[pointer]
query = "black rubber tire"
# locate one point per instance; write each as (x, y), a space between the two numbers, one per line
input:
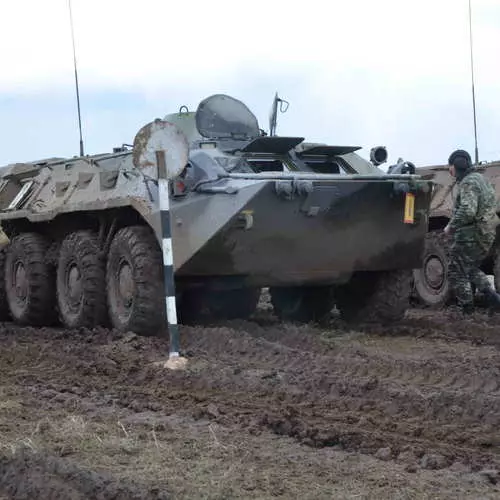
(302, 304)
(38, 308)
(4, 304)
(137, 247)
(378, 297)
(426, 292)
(81, 250)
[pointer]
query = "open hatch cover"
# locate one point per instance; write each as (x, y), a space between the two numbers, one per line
(325, 150)
(221, 116)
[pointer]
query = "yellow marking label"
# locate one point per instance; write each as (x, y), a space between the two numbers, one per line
(409, 217)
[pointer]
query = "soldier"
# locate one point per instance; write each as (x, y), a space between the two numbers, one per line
(473, 228)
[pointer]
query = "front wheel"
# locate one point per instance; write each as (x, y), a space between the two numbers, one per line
(431, 285)
(375, 297)
(134, 282)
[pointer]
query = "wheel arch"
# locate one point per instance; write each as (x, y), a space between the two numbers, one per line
(438, 222)
(104, 222)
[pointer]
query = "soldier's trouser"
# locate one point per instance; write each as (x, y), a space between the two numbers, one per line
(466, 255)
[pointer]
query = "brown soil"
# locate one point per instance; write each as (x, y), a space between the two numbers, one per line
(263, 410)
(30, 475)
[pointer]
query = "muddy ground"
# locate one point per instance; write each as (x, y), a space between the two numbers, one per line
(264, 410)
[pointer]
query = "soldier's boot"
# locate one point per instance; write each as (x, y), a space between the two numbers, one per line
(460, 309)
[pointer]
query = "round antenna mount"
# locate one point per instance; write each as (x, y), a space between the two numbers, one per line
(161, 135)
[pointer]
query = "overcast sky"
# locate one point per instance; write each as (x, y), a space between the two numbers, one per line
(362, 72)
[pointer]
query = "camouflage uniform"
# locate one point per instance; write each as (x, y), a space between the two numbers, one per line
(473, 227)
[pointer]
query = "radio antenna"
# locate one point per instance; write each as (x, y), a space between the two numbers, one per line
(76, 79)
(473, 90)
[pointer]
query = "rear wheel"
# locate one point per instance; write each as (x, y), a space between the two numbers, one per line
(81, 288)
(134, 282)
(431, 280)
(302, 304)
(30, 280)
(375, 297)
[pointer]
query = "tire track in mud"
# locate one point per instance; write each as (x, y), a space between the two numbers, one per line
(38, 475)
(351, 395)
(474, 370)
(379, 406)
(349, 399)
(478, 329)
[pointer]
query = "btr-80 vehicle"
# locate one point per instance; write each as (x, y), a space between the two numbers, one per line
(431, 278)
(315, 224)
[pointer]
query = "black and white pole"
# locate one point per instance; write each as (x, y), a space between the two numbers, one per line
(167, 250)
(161, 150)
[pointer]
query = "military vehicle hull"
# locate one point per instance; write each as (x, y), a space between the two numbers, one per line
(321, 237)
(431, 287)
(245, 212)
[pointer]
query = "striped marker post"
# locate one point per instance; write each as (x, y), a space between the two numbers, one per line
(168, 261)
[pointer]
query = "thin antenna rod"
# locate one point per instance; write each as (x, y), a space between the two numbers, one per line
(473, 90)
(76, 80)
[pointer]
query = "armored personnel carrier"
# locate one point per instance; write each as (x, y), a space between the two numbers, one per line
(316, 224)
(431, 277)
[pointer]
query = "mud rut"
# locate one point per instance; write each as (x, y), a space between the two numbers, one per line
(425, 392)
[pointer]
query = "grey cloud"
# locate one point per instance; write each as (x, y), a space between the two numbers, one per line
(419, 121)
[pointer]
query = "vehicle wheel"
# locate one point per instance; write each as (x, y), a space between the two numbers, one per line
(431, 280)
(302, 304)
(81, 284)
(30, 280)
(4, 304)
(134, 282)
(375, 297)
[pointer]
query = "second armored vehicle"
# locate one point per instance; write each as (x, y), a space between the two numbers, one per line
(431, 277)
(315, 223)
